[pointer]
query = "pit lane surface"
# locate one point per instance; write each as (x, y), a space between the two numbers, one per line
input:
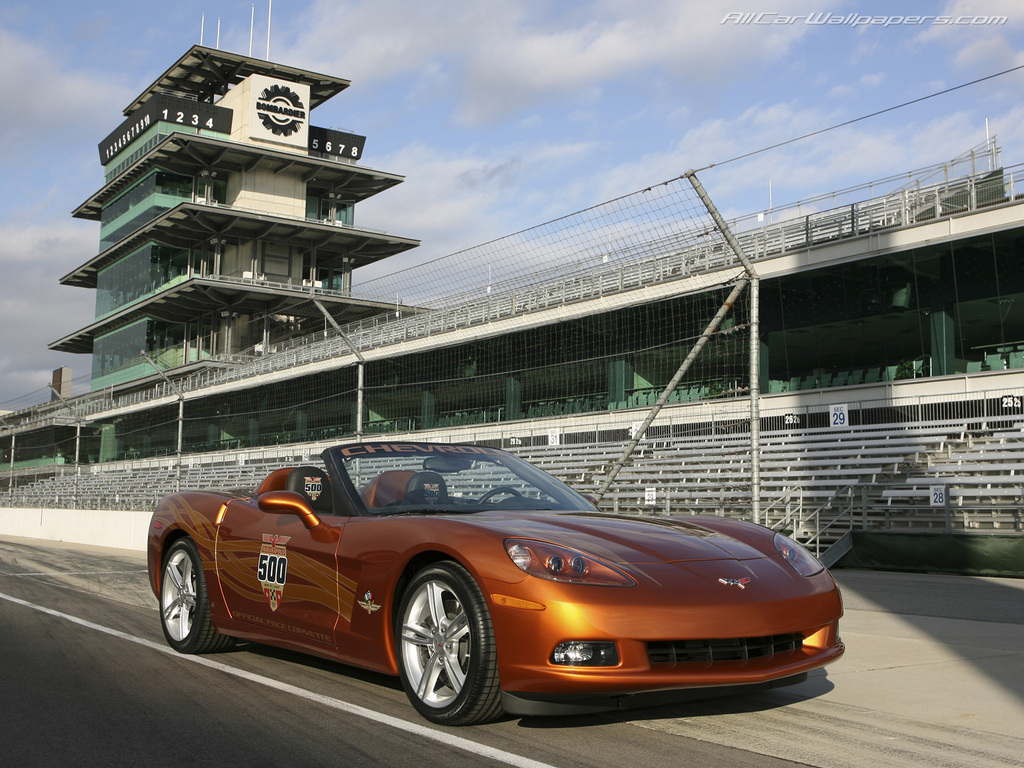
(933, 677)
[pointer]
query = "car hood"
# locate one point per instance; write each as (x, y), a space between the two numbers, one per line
(627, 539)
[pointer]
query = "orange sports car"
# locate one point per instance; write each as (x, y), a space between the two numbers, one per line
(487, 585)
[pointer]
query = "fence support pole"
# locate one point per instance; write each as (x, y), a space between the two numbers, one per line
(750, 277)
(755, 341)
(359, 366)
(181, 417)
(10, 482)
(617, 465)
(755, 398)
(78, 442)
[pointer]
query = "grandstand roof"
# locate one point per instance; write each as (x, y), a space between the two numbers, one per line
(206, 73)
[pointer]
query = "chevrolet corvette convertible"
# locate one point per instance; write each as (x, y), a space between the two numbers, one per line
(487, 586)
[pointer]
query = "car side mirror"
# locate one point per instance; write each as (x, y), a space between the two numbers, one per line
(288, 503)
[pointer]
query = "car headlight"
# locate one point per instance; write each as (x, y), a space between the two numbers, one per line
(803, 562)
(555, 563)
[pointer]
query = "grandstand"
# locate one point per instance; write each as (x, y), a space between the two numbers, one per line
(878, 476)
(889, 347)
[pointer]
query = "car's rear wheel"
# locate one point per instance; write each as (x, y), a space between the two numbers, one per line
(184, 602)
(446, 652)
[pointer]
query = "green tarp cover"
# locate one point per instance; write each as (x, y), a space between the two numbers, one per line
(937, 553)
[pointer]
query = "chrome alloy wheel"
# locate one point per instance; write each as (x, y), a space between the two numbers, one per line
(436, 643)
(178, 595)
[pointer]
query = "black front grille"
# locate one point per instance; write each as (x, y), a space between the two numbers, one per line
(731, 649)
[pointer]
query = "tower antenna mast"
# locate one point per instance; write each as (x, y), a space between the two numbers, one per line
(270, 11)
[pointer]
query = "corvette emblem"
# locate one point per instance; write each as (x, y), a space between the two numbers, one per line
(367, 603)
(272, 568)
(741, 583)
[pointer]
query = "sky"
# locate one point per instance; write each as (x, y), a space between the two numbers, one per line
(501, 115)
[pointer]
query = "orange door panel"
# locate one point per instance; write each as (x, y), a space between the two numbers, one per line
(277, 574)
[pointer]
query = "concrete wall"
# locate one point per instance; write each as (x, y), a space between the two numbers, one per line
(102, 528)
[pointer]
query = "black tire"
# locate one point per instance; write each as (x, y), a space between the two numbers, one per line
(184, 603)
(447, 658)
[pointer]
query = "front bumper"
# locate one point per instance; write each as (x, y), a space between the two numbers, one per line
(642, 621)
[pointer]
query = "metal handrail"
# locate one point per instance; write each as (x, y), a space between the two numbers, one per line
(813, 519)
(784, 498)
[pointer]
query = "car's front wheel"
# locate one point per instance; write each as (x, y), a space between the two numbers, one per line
(184, 604)
(446, 652)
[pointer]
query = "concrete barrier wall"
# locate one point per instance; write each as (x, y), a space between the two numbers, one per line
(98, 527)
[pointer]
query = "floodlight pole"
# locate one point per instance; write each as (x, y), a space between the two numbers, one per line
(181, 416)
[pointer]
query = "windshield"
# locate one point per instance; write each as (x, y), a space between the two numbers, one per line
(395, 478)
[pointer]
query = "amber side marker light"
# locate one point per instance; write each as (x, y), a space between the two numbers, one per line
(516, 602)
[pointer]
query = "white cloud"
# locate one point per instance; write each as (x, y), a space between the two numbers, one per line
(847, 91)
(621, 46)
(979, 33)
(503, 59)
(872, 80)
(51, 99)
(34, 308)
(454, 200)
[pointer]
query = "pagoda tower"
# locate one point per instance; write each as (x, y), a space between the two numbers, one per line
(227, 221)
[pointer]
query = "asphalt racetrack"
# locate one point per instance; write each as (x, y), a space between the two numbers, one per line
(933, 676)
